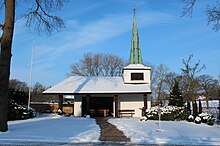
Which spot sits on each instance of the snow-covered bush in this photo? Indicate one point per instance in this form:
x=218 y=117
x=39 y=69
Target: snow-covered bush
x=143 y=119
x=198 y=120
x=212 y=111
x=168 y=113
x=190 y=118
x=207 y=118
x=19 y=112
x=86 y=116
x=210 y=121
x=59 y=111
x=204 y=117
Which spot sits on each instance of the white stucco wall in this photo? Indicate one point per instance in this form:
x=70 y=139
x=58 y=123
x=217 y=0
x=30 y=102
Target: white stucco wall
x=148 y=104
x=77 y=106
x=134 y=101
x=127 y=76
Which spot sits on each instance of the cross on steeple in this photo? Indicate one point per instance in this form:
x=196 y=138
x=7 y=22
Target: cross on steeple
x=135 y=54
x=134 y=5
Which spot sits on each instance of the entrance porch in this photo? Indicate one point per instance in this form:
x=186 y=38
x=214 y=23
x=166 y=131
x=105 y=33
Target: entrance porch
x=97 y=106
x=104 y=105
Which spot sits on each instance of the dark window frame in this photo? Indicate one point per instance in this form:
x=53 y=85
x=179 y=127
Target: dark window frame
x=137 y=76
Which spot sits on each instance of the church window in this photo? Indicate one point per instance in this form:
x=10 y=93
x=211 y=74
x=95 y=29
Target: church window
x=137 y=76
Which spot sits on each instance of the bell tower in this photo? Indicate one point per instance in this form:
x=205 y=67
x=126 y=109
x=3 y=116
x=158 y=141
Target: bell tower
x=136 y=72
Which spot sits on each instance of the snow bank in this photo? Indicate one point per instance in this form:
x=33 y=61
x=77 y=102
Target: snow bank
x=52 y=128
x=180 y=132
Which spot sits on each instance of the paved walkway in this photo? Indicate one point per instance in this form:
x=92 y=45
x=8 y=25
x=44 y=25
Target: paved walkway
x=109 y=132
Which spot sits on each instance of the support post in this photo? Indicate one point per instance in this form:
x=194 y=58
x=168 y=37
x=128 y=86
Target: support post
x=145 y=105
x=61 y=102
x=116 y=105
x=87 y=105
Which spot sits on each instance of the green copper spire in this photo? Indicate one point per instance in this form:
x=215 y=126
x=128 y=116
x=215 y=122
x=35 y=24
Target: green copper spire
x=135 y=54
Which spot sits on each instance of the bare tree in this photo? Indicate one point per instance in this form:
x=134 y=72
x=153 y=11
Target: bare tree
x=98 y=65
x=170 y=80
x=209 y=86
x=188 y=9
x=37 y=95
x=212 y=12
x=189 y=82
x=40 y=17
x=18 y=85
x=159 y=85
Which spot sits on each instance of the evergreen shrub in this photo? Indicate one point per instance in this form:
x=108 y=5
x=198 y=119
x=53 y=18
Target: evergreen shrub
x=168 y=113
x=190 y=118
x=18 y=111
x=198 y=120
x=210 y=121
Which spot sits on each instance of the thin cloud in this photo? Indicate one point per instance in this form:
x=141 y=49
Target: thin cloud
x=101 y=30
x=77 y=37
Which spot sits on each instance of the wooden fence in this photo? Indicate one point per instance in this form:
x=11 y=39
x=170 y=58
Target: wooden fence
x=41 y=107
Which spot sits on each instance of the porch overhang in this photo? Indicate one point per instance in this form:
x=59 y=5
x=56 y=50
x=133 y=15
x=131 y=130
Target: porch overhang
x=77 y=85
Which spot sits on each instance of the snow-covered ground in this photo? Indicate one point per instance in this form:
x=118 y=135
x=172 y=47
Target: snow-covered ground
x=59 y=129
x=178 y=133
x=52 y=128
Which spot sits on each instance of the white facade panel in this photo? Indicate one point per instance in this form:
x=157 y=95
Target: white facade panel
x=133 y=102
x=78 y=106
x=148 y=104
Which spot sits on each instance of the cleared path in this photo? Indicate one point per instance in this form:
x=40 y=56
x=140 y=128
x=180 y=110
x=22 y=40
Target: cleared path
x=109 y=132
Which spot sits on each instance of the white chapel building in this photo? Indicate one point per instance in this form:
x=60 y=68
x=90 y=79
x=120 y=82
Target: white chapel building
x=127 y=95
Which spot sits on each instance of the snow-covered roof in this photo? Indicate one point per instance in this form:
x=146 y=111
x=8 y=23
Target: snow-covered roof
x=137 y=66
x=80 y=85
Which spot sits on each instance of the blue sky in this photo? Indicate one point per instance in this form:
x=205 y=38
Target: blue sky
x=104 y=26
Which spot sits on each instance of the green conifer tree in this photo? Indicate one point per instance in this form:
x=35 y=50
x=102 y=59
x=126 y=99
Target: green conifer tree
x=176 y=98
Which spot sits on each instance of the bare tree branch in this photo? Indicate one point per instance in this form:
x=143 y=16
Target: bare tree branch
x=213 y=14
x=1 y=4
x=188 y=9
x=98 y=65
x=158 y=82
x=41 y=17
x=189 y=73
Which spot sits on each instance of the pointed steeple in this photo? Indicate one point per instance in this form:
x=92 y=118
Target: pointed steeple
x=135 y=54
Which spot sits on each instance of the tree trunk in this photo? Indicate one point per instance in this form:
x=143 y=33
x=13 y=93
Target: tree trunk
x=195 y=109
x=188 y=108
x=200 y=106
x=219 y=109
x=5 y=61
x=207 y=101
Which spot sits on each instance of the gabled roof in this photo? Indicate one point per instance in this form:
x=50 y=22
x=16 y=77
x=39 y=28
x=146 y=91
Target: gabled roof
x=83 y=85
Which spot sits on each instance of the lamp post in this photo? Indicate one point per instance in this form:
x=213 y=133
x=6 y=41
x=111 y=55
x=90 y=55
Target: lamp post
x=30 y=82
x=159 y=115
